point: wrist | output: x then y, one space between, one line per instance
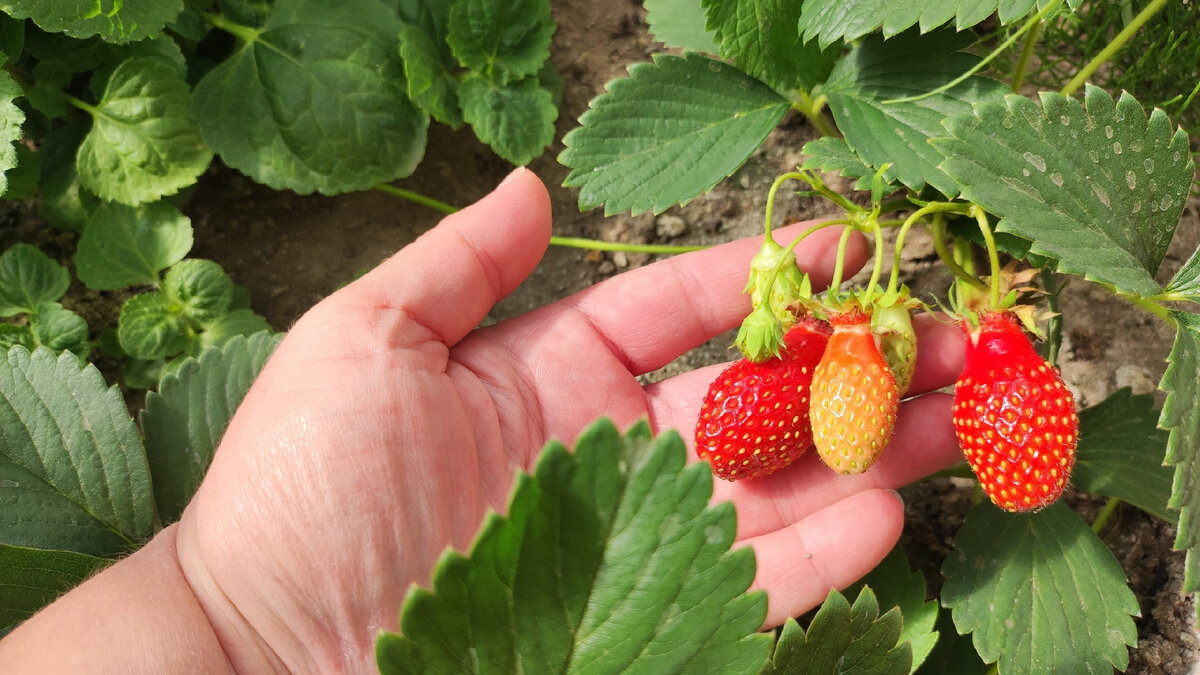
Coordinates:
139 615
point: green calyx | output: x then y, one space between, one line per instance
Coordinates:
774 285
891 321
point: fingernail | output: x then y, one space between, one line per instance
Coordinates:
520 170
897 496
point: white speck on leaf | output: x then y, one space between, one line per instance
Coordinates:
1117 148
1037 162
1108 131
1149 164
1131 180
1056 178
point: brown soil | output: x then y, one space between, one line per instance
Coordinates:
293 250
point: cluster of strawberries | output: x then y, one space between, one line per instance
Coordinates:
837 383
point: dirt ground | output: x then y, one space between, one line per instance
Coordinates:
291 251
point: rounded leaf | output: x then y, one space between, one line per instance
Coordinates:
29 278
201 286
122 245
151 328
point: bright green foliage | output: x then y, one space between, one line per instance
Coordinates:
506 40
118 21
516 120
843 639
609 560
829 153
670 131
864 83
895 585
123 245
1181 416
314 100
59 329
761 38
1040 592
431 83
31 578
680 23
832 20
143 144
1120 453
237 322
152 327
201 287
11 119
1186 282
1100 189
12 335
28 278
72 466
184 420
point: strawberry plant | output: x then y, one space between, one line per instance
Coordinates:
1081 182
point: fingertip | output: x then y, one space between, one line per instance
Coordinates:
940 350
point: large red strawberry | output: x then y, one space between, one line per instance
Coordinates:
1014 417
855 398
754 420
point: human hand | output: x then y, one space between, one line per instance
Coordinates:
385 426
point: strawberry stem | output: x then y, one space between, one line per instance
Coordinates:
1036 19
933 207
1054 325
795 242
840 264
1031 41
1105 513
878 269
566 242
1113 47
770 214
993 255
947 258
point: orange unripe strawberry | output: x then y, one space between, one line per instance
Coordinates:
854 399
754 420
1015 419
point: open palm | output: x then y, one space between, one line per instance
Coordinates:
385 426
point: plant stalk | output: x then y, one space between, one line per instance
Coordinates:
1113 47
415 197
1105 513
1054 325
811 109
947 258
245 33
993 254
1018 78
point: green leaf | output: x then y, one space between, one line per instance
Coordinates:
832 20
116 21
668 132
431 82
23 178
184 420
843 639
64 202
505 40
680 23
72 467
1181 417
32 578
761 38
235 323
122 245
143 144
11 119
59 329
833 155
1040 592
864 83
953 654
1186 282
314 100
12 335
895 585
201 286
12 38
1120 451
28 278
151 327
609 560
516 120
1100 189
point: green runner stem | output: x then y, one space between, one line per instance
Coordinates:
1112 47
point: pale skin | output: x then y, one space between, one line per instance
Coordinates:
386 425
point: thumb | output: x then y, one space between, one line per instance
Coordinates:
451 276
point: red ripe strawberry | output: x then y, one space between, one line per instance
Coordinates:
754 420
1014 417
855 397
